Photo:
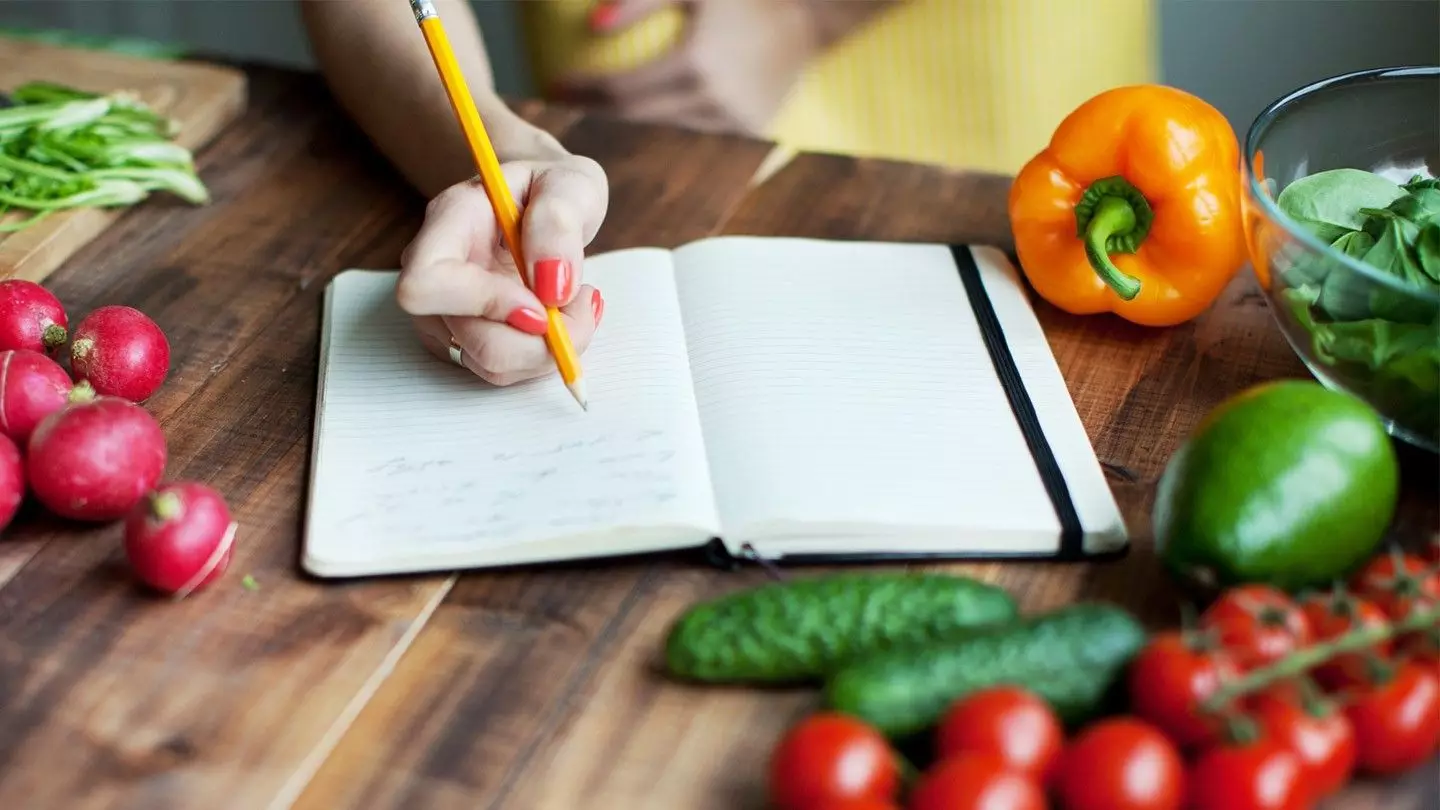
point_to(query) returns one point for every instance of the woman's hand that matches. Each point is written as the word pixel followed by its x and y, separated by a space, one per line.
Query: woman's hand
pixel 731 71
pixel 457 279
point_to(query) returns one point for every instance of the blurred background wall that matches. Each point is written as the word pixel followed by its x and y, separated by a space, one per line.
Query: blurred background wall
pixel 1238 54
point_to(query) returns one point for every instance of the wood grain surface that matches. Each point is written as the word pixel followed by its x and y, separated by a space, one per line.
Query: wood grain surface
pixel 526 689
pixel 202 98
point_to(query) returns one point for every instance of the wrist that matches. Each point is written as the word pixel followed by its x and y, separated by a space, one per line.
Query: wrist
pixel 513 137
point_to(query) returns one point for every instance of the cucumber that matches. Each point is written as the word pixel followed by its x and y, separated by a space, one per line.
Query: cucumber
pixel 1071 658
pixel 801 630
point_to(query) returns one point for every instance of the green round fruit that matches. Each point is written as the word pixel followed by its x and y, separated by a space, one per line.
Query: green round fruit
pixel 1288 483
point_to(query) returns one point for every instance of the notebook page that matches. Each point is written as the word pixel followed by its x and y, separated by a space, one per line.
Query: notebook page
pixel 421 465
pixel 845 387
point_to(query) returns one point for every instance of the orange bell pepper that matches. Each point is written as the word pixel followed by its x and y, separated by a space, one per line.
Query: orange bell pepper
pixel 1134 207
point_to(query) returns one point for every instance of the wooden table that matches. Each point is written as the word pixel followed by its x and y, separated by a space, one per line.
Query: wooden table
pixel 523 690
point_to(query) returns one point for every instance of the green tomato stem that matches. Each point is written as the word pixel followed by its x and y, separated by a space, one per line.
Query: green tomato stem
pixel 1307 658
pixel 1113 217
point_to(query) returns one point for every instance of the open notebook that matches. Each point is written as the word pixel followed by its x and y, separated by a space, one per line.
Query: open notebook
pixel 778 398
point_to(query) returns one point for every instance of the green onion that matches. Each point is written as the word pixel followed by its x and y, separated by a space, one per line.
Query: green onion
pixel 63 148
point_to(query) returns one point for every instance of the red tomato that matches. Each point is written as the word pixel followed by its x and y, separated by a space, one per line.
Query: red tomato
pixel 1257 624
pixel 975 781
pixel 1334 614
pixel 856 804
pixel 1398 582
pixel 1422 647
pixel 1431 552
pixel 1396 720
pixel 1169 679
pixel 1319 733
pixel 1259 775
pixel 1009 722
pixel 827 757
pixel 1120 763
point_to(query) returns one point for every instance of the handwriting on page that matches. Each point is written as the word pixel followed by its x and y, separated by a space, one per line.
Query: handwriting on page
pixel 544 488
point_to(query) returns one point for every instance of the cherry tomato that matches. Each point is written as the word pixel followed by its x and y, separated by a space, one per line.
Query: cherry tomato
pixel 1334 614
pixel 1316 730
pixel 855 804
pixel 1263 774
pixel 1396 719
pixel 1012 723
pixel 1257 624
pixel 1398 583
pixel 1431 552
pixel 1422 647
pixel 1169 679
pixel 975 781
pixel 828 757
pixel 1120 763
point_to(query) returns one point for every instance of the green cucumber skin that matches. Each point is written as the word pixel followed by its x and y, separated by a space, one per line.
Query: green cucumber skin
pixel 1072 658
pixel 802 630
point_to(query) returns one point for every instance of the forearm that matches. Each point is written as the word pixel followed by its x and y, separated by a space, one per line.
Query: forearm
pixel 376 63
pixel 835 19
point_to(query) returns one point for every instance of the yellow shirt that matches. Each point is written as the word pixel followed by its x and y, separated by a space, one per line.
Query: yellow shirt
pixel 976 84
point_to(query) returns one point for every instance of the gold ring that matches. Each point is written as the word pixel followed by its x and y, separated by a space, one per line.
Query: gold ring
pixel 456 355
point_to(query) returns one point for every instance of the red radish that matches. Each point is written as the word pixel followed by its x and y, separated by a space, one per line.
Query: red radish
pixel 31 317
pixel 12 480
pixel 95 458
pixel 32 386
pixel 180 537
pixel 120 352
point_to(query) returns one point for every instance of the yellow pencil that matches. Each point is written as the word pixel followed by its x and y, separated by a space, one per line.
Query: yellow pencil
pixel 556 335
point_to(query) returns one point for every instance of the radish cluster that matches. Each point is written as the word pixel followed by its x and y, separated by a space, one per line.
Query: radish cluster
pixel 83 445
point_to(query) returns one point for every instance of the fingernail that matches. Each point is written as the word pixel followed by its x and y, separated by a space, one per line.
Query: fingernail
pixel 553 281
pixel 527 320
pixel 604 16
pixel 597 306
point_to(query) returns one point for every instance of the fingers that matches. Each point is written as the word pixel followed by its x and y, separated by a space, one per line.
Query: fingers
pixel 466 289
pixel 673 72
pixel 566 205
pixel 612 15
pixel 452 266
pixel 502 355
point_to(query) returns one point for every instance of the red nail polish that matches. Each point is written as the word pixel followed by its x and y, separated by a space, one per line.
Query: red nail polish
pixel 604 16
pixel 553 281
pixel 527 320
pixel 597 306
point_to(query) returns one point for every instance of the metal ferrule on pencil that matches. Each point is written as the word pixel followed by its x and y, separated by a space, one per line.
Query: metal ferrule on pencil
pixel 423 9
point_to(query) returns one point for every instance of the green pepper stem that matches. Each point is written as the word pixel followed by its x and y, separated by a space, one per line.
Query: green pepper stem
pixel 1112 216
pixel 1307 658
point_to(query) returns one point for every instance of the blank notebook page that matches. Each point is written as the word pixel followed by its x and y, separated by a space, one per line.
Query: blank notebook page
pixel 846 386
pixel 420 464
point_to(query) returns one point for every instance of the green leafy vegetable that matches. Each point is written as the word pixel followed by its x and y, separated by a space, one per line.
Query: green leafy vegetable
pixel 64 148
pixel 1380 338
pixel 1329 203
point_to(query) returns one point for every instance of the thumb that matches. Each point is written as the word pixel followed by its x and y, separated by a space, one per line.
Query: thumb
pixel 565 207
pixel 609 16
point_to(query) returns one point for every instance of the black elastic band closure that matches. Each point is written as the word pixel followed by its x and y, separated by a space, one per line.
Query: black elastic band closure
pixel 1072 534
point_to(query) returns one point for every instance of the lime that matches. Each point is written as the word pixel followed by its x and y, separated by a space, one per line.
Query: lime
pixel 1287 483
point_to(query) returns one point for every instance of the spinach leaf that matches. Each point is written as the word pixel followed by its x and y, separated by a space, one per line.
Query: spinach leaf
pixel 1420 181
pixel 1427 251
pixel 1328 203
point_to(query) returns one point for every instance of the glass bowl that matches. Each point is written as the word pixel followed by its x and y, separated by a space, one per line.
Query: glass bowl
pixel 1336 256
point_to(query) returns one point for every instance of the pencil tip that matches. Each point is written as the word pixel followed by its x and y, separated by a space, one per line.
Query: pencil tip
pixel 577 390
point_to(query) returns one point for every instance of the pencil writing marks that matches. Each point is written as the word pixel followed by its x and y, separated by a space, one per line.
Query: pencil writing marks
pixel 548 486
